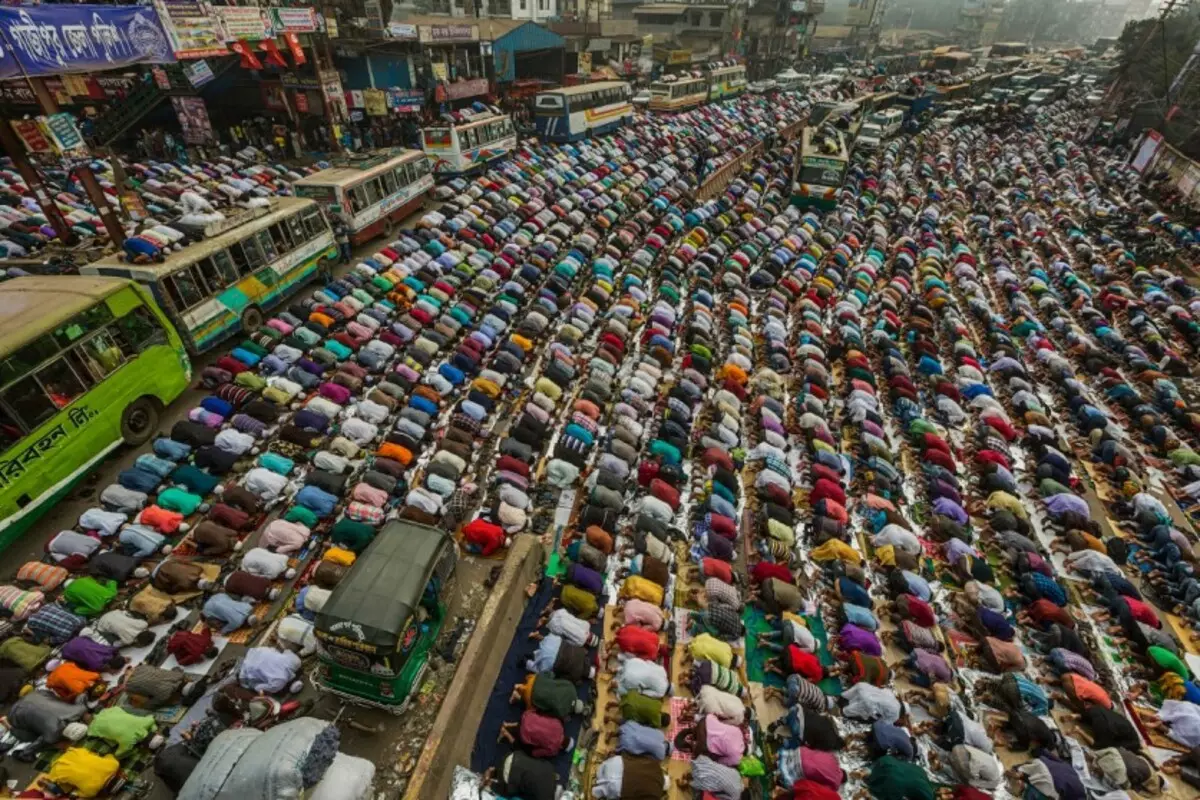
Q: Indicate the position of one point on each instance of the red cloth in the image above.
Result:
(715, 455)
(776, 494)
(1045, 611)
(665, 492)
(723, 525)
(765, 570)
(993, 457)
(638, 641)
(822, 471)
(811, 790)
(485, 535)
(803, 663)
(513, 465)
(647, 472)
(825, 489)
(965, 792)
(920, 612)
(542, 734)
(716, 568)
(231, 365)
(831, 509)
(934, 442)
(1001, 427)
(1142, 612)
(190, 648)
(940, 458)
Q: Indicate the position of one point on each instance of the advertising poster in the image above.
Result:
(191, 27)
(243, 22)
(193, 118)
(375, 101)
(198, 73)
(295, 20)
(31, 134)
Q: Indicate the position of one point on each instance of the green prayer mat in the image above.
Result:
(756, 657)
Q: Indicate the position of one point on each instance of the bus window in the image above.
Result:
(389, 182)
(30, 403)
(313, 222)
(268, 247)
(139, 330)
(28, 357)
(82, 324)
(10, 431)
(61, 383)
(186, 289)
(280, 237)
(224, 266)
(214, 279)
(358, 198)
(101, 355)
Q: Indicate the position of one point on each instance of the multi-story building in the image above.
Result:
(702, 29)
(776, 34)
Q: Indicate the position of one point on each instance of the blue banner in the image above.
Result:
(62, 39)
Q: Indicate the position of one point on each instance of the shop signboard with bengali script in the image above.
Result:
(468, 88)
(447, 34)
(61, 39)
(294, 20)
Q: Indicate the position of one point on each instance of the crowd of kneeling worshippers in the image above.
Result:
(893, 499)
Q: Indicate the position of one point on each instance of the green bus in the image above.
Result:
(820, 169)
(375, 631)
(85, 364)
(245, 265)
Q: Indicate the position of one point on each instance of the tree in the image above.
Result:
(1151, 53)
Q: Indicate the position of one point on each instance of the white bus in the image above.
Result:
(672, 94)
(224, 283)
(470, 145)
(371, 195)
(574, 112)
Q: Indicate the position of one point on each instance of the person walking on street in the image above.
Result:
(341, 235)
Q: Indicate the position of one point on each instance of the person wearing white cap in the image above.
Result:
(39, 720)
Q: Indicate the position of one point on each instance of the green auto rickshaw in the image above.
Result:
(379, 624)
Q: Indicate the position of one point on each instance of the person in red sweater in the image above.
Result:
(542, 735)
(639, 642)
(483, 537)
(795, 661)
(765, 570)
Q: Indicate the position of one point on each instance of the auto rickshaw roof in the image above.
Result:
(374, 601)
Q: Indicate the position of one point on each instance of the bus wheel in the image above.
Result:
(252, 320)
(139, 421)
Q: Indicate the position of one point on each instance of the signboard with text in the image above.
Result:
(58, 39)
(243, 22)
(295, 20)
(447, 34)
(469, 88)
(190, 25)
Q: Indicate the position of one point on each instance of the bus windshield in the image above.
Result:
(84, 363)
(822, 171)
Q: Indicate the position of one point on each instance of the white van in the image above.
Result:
(889, 121)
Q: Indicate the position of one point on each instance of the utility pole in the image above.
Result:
(116, 231)
(16, 151)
